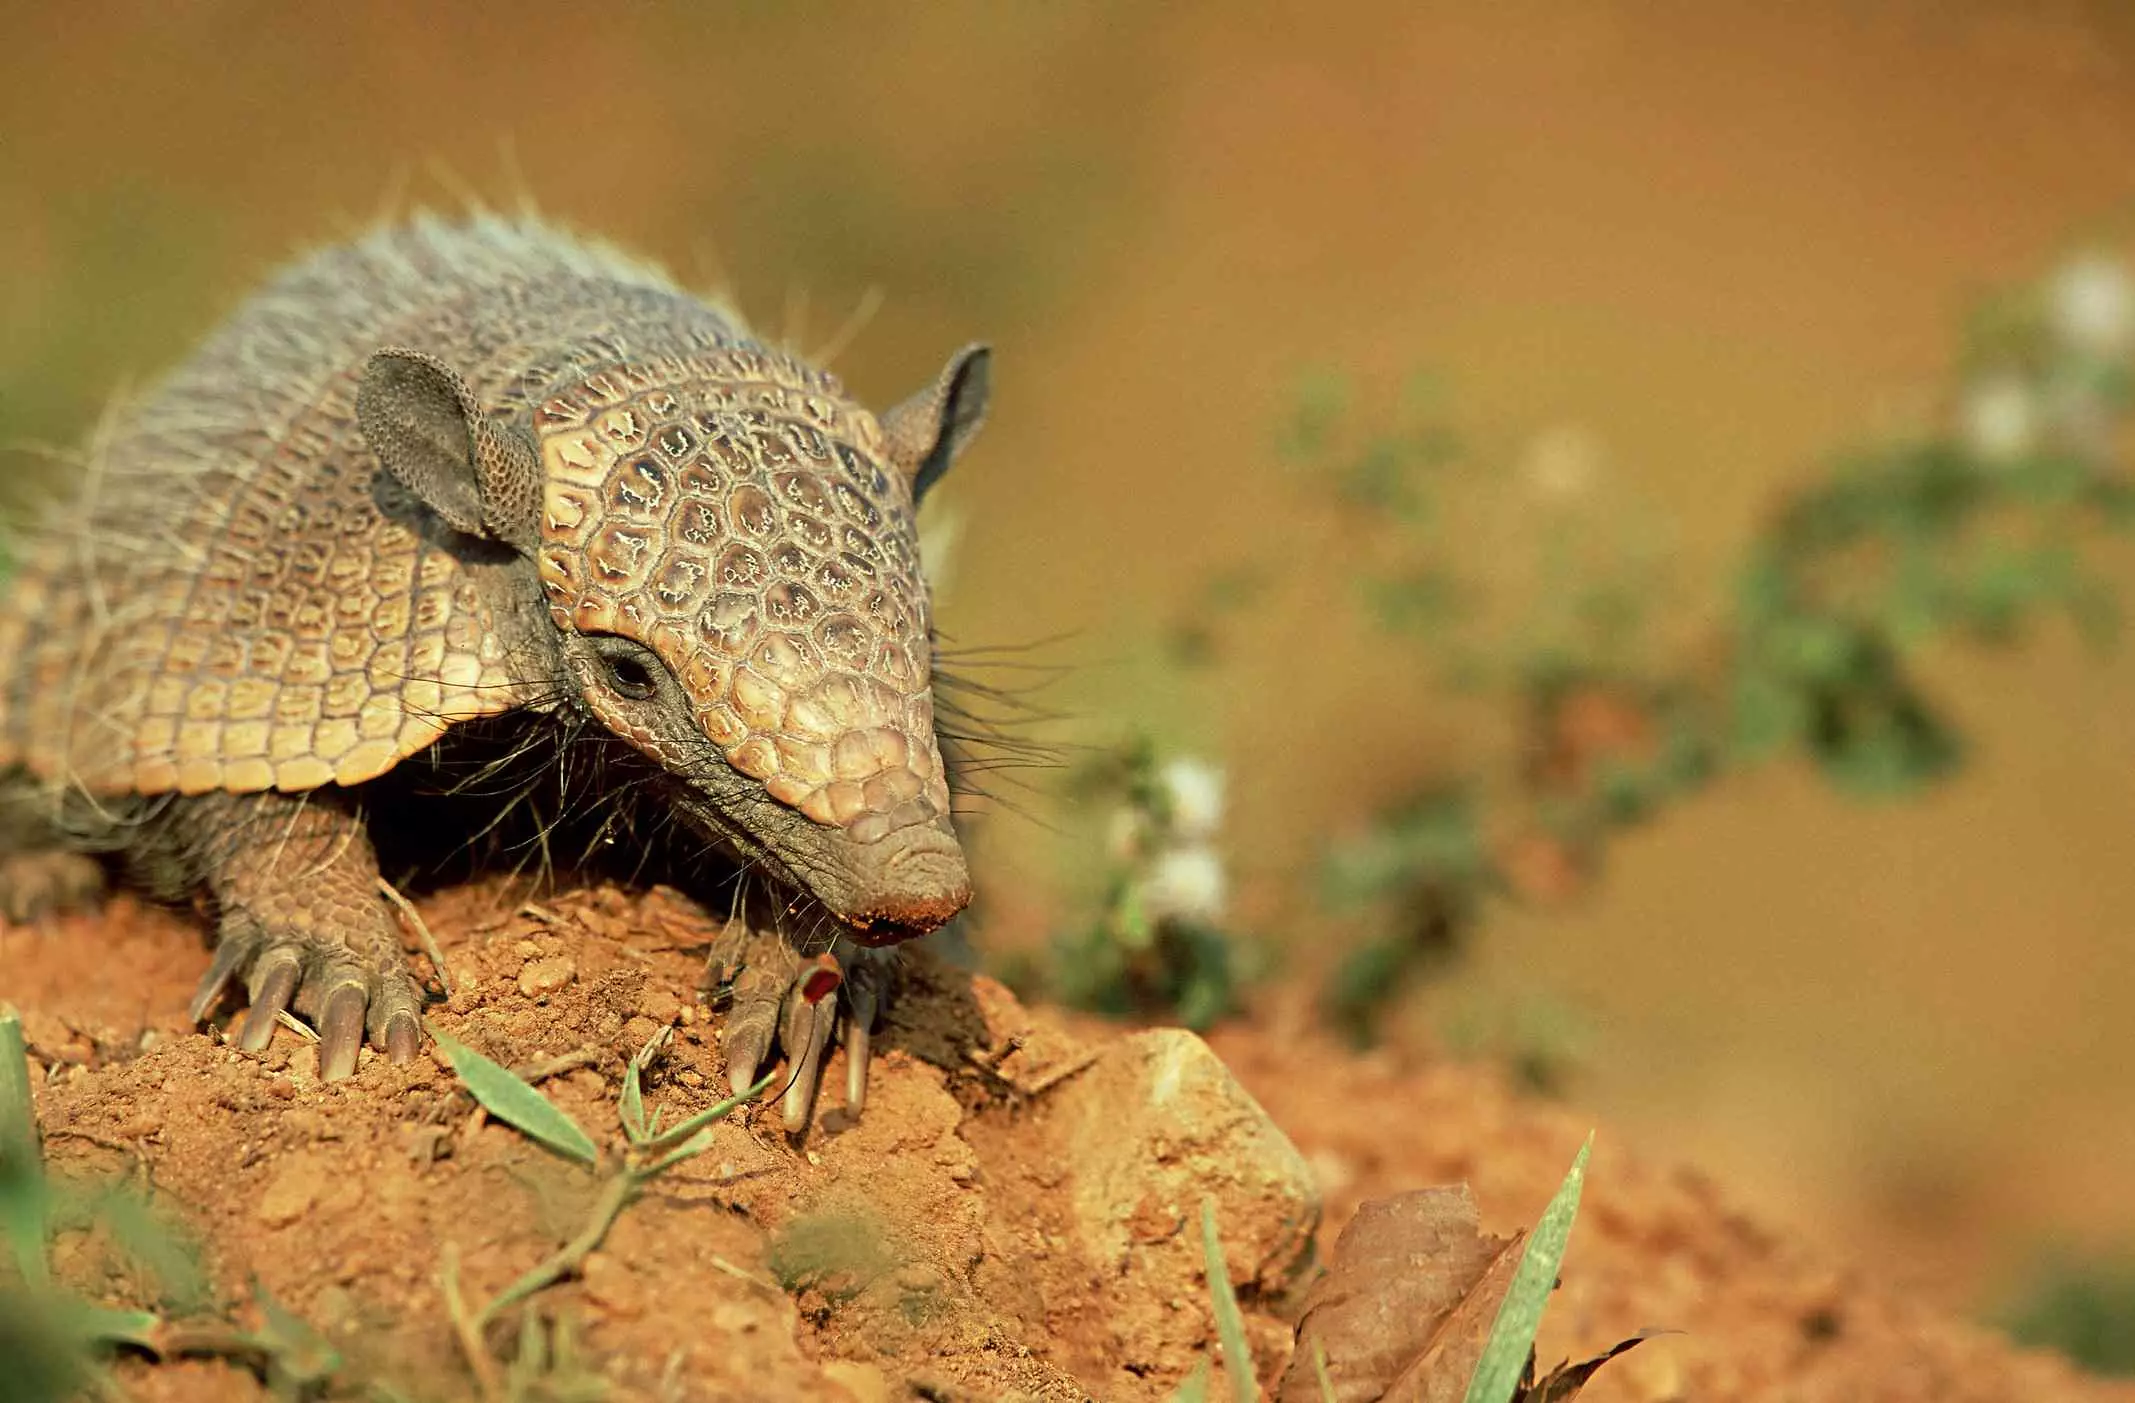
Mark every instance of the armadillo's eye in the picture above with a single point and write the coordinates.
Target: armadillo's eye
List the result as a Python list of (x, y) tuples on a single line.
[(630, 677), (626, 667)]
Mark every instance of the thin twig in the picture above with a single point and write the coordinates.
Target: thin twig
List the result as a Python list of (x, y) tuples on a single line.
[(414, 920), (558, 1065), (1052, 1076), (465, 1327), (744, 1274)]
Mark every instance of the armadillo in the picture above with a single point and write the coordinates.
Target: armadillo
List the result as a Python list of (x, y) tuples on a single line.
[(468, 477)]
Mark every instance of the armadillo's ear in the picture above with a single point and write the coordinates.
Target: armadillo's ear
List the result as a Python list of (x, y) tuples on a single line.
[(927, 431), (421, 420)]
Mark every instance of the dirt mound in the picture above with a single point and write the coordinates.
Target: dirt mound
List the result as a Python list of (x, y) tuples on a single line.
[(1009, 1219)]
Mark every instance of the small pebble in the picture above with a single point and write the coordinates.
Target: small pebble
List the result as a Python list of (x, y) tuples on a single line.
[(542, 977)]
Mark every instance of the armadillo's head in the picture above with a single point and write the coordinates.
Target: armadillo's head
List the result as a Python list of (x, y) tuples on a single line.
[(727, 548)]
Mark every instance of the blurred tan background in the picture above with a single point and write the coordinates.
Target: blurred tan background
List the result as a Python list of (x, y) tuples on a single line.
[(1713, 239)]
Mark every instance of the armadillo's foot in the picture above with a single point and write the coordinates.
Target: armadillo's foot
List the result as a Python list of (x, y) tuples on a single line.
[(319, 979), (303, 924), (782, 999), (48, 882)]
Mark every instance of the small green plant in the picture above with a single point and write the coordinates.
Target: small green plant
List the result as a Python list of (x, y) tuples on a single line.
[(1158, 941), (551, 1366), (837, 1253), (59, 1339), (649, 1151)]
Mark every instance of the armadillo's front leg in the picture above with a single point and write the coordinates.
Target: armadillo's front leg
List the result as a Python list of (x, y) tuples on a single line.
[(781, 998), (302, 922)]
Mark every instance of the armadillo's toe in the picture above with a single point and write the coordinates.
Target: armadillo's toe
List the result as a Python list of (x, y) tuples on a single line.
[(232, 953), (275, 980), (810, 1014), (869, 982), (751, 972), (53, 882), (341, 1031), (779, 1002), (403, 1036)]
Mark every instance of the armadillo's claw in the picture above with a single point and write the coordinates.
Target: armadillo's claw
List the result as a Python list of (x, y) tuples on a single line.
[(274, 984), (403, 1037), (341, 1032), (863, 990), (782, 1001), (758, 987), (806, 1035), (746, 1049), (230, 956)]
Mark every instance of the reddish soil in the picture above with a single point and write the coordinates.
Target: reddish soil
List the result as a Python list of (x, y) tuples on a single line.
[(928, 1245)]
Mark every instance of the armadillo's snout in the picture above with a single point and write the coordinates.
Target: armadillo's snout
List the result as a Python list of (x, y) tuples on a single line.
[(913, 883)]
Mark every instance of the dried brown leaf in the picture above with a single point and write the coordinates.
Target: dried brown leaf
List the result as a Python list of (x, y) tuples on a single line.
[(1440, 1374), (1565, 1381), (1401, 1272)]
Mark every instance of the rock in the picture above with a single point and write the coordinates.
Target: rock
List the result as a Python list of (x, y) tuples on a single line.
[(1156, 1124), (660, 1005), (545, 975)]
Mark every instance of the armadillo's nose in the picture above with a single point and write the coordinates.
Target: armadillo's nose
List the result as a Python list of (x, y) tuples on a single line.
[(921, 883)]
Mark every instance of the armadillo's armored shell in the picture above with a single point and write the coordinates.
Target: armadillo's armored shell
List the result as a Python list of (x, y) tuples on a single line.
[(730, 510), (309, 643), (228, 599)]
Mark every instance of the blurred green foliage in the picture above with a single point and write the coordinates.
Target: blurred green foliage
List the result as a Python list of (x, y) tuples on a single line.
[(1157, 940), (1973, 531), (1970, 533), (2083, 1308), (137, 267)]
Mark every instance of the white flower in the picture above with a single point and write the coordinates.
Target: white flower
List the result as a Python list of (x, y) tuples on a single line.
[(1185, 884), (2091, 301), (1999, 418), (1193, 794)]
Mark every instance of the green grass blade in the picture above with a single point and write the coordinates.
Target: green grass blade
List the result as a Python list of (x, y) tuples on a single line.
[(24, 1205), (1319, 1371), (1194, 1389), (633, 1101), (1230, 1325), (517, 1104), (682, 1133), (1512, 1336)]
